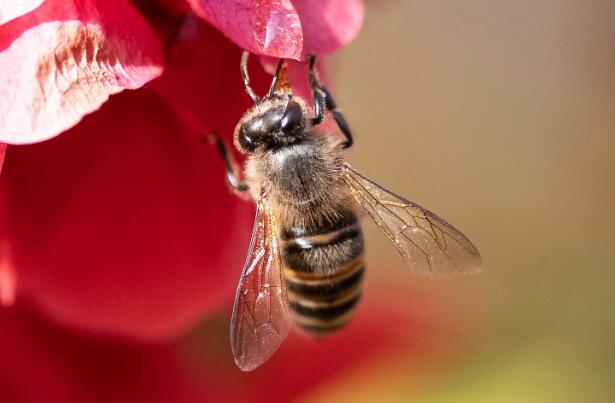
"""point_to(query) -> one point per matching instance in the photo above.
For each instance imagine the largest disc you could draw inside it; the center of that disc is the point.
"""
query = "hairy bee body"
(321, 243)
(305, 259)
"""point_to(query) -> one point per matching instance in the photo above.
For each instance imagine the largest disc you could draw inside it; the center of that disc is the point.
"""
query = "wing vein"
(415, 230)
(260, 320)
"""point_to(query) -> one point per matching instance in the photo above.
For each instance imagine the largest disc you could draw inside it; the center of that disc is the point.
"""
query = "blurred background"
(500, 117)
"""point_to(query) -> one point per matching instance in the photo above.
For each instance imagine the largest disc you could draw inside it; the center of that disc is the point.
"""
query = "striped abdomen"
(323, 268)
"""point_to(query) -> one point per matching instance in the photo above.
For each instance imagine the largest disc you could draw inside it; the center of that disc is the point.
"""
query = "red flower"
(123, 224)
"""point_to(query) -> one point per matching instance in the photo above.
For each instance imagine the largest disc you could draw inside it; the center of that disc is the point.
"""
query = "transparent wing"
(430, 246)
(260, 320)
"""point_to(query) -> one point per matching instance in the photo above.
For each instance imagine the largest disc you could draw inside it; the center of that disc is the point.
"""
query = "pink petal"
(269, 27)
(64, 59)
(328, 24)
(10, 9)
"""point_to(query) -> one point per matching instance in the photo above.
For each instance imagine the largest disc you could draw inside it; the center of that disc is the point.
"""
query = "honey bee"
(305, 260)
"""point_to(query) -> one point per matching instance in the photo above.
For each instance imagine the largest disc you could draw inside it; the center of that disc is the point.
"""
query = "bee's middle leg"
(323, 100)
(232, 176)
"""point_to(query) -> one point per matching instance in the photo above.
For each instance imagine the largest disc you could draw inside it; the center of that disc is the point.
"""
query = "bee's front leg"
(323, 99)
(229, 163)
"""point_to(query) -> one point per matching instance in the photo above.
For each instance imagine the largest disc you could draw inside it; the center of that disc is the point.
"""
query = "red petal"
(2, 152)
(270, 27)
(202, 81)
(10, 9)
(7, 274)
(64, 59)
(328, 24)
(7, 279)
(124, 224)
(68, 367)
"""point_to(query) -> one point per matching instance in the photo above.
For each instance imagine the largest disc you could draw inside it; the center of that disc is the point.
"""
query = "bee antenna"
(276, 77)
(246, 79)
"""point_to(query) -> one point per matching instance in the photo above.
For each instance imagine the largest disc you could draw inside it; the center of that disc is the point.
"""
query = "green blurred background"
(500, 117)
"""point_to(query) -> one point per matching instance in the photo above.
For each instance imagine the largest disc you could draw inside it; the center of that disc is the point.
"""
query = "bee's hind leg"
(229, 163)
(323, 99)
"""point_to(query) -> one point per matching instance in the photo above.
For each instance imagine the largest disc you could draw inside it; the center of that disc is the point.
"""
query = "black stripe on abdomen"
(323, 252)
(324, 288)
(323, 268)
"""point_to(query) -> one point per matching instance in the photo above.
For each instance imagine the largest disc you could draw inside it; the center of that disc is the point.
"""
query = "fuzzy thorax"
(302, 181)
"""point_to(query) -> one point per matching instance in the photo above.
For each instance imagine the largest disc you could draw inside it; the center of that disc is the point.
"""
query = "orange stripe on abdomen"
(323, 269)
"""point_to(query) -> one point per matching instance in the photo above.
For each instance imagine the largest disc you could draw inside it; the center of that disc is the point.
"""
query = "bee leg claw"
(229, 163)
(323, 100)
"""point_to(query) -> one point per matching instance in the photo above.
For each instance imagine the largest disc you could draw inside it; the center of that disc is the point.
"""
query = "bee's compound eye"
(293, 120)
(246, 140)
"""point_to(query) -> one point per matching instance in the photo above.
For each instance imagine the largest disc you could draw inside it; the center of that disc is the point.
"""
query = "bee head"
(276, 121)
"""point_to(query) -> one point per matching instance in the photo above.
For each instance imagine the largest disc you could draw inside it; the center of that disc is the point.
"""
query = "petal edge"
(268, 28)
(62, 62)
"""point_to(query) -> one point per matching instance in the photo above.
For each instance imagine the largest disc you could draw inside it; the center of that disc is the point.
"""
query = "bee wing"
(430, 246)
(260, 320)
